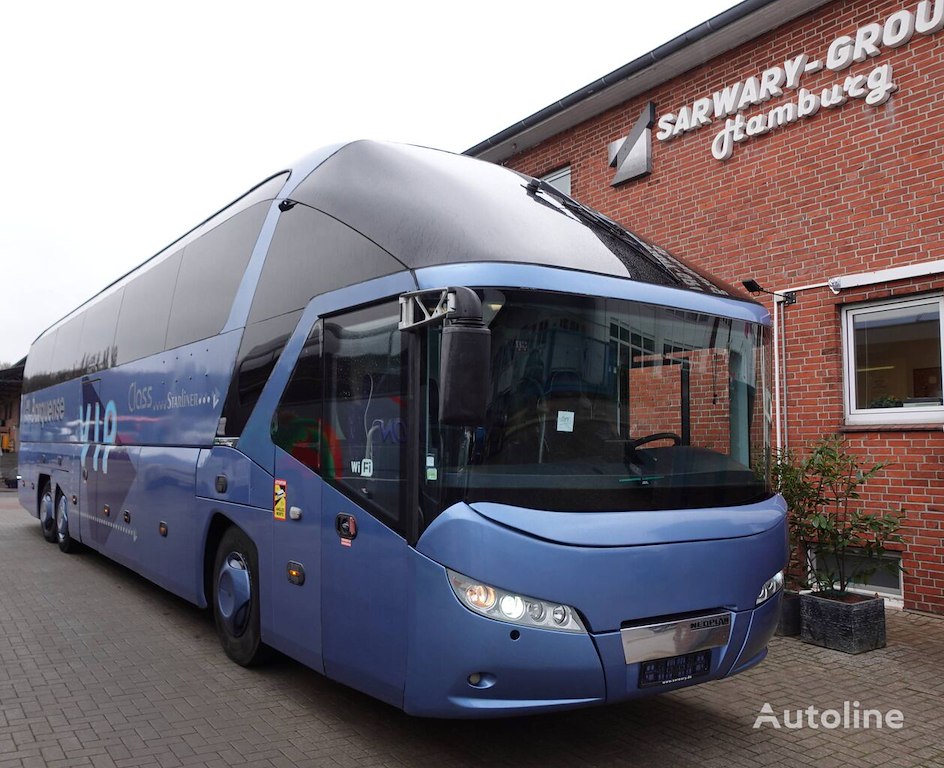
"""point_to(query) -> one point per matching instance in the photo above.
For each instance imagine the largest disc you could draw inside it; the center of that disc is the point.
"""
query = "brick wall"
(851, 189)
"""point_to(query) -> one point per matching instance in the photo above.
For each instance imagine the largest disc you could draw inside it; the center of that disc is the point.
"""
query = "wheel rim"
(234, 593)
(62, 519)
(46, 515)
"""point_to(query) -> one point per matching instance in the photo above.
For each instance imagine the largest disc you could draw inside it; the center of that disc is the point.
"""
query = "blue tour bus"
(431, 428)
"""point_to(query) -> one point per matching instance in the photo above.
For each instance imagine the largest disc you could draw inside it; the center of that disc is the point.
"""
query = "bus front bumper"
(464, 665)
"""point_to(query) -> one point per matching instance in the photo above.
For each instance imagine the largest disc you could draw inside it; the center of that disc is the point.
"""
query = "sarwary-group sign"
(874, 87)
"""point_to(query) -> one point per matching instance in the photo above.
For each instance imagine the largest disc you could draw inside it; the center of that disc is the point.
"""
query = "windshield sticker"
(565, 421)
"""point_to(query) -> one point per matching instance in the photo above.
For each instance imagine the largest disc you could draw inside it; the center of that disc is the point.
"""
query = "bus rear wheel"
(66, 543)
(236, 598)
(47, 514)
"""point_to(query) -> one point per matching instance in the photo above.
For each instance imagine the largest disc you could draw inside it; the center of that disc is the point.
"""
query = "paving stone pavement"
(100, 668)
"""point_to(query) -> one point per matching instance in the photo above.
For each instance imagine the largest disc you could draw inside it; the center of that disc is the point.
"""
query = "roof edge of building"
(724, 32)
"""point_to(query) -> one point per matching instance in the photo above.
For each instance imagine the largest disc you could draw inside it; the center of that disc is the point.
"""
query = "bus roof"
(428, 207)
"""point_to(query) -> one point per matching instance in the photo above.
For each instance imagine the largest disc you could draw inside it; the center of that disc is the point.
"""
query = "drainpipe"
(786, 298)
(777, 301)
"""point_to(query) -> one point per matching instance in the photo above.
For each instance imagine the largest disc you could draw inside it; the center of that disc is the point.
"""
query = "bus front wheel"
(47, 514)
(236, 598)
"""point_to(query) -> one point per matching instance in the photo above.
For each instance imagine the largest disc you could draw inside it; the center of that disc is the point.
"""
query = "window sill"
(926, 427)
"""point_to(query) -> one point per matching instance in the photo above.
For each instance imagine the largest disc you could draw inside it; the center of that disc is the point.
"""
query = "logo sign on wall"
(872, 86)
(631, 156)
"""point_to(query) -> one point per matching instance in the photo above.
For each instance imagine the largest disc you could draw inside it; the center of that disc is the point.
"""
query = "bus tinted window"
(260, 350)
(142, 323)
(210, 274)
(67, 353)
(98, 333)
(311, 254)
(36, 373)
(296, 428)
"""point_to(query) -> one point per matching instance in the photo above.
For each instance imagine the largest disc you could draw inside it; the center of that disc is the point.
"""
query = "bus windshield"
(604, 405)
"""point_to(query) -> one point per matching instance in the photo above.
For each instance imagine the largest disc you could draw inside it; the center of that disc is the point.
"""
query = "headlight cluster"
(511, 608)
(771, 587)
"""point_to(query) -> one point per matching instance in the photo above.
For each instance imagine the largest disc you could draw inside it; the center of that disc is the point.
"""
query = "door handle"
(346, 526)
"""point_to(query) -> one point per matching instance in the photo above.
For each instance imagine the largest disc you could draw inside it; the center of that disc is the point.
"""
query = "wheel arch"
(219, 524)
(41, 481)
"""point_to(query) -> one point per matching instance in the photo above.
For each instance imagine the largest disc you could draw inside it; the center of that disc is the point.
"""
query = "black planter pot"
(850, 623)
(789, 623)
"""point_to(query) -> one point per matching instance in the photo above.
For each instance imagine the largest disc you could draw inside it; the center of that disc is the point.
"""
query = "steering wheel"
(634, 444)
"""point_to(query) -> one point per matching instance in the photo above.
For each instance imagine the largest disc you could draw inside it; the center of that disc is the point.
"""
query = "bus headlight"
(771, 587)
(512, 608)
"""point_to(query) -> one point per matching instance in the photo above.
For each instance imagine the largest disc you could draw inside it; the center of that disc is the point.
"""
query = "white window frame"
(556, 176)
(878, 416)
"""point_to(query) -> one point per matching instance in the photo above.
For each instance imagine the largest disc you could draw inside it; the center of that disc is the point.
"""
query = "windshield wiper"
(589, 216)
(678, 271)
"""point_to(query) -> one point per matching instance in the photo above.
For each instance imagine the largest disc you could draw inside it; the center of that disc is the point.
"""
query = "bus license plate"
(674, 669)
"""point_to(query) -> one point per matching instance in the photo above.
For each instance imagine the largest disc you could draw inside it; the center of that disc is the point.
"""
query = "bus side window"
(296, 425)
(302, 262)
(145, 310)
(259, 353)
(209, 276)
(364, 408)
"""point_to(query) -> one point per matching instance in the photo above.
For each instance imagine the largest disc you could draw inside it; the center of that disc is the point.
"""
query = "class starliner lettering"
(185, 399)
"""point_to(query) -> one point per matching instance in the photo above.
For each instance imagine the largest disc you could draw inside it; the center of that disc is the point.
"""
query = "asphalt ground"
(98, 667)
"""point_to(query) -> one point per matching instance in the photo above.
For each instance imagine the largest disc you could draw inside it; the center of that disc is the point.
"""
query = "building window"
(559, 179)
(892, 353)
(875, 576)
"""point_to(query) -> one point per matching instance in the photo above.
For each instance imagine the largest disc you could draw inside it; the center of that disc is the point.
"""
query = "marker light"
(537, 612)
(513, 608)
(771, 587)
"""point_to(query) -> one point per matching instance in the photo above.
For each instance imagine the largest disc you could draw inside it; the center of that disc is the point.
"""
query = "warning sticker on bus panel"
(278, 500)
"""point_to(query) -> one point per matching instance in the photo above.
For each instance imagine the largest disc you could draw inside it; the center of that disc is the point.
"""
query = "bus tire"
(236, 598)
(66, 543)
(47, 513)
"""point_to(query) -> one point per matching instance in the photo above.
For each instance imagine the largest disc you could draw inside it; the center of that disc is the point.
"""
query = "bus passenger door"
(366, 581)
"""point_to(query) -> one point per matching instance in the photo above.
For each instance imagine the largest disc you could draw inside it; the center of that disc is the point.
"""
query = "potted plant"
(843, 543)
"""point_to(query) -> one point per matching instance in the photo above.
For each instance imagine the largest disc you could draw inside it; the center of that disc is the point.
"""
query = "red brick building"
(798, 143)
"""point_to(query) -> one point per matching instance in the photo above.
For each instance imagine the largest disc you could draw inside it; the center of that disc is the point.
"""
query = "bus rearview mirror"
(464, 374)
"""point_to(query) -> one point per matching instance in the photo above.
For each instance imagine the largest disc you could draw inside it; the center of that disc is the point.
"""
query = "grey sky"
(125, 124)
